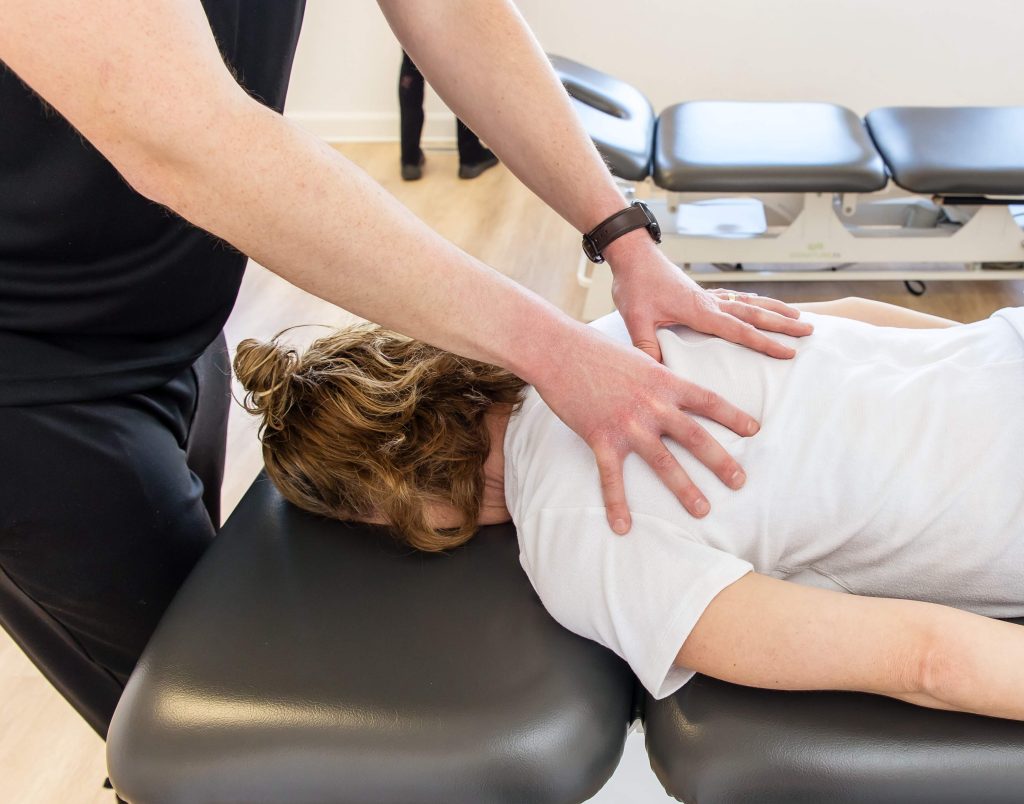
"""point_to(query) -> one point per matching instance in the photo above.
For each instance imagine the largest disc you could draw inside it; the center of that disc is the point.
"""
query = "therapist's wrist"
(532, 339)
(631, 251)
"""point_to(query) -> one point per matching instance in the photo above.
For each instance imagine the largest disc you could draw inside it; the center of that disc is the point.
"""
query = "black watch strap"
(635, 216)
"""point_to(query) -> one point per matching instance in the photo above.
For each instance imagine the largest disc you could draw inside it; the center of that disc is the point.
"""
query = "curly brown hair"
(369, 424)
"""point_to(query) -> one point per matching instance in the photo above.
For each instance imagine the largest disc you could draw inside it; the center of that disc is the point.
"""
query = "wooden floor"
(47, 754)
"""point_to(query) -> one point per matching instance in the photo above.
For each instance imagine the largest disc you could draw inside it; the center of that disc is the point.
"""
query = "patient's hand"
(651, 292)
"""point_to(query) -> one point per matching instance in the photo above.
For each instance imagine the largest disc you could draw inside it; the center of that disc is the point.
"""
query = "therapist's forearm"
(322, 223)
(484, 61)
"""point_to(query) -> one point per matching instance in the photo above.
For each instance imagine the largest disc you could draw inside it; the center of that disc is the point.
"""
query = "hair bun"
(265, 370)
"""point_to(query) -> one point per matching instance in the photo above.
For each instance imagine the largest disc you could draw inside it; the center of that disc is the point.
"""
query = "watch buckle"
(590, 250)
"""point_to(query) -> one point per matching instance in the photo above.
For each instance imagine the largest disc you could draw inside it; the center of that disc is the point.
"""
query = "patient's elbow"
(915, 666)
(948, 672)
(936, 669)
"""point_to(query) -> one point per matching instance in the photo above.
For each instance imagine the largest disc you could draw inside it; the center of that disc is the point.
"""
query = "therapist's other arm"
(143, 81)
(764, 632)
(484, 61)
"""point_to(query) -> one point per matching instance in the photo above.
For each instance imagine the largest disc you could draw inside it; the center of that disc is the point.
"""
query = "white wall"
(859, 53)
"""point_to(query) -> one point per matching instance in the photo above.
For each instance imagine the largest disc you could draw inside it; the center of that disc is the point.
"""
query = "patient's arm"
(764, 632)
(878, 313)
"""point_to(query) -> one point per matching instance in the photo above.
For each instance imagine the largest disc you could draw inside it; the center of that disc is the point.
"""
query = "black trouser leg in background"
(471, 150)
(411, 89)
(102, 517)
(410, 105)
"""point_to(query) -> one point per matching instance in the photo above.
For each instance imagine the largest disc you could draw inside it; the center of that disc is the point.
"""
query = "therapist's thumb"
(646, 340)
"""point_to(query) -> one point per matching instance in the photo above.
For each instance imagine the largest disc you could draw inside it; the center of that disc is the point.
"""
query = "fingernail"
(620, 527)
(752, 428)
(701, 507)
(738, 479)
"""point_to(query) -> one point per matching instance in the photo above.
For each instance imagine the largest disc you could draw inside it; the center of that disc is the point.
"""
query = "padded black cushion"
(617, 116)
(764, 147)
(716, 743)
(960, 150)
(314, 661)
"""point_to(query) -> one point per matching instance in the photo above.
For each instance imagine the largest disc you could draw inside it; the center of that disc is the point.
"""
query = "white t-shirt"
(889, 463)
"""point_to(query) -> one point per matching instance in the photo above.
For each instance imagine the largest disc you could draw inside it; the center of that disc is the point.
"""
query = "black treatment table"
(308, 660)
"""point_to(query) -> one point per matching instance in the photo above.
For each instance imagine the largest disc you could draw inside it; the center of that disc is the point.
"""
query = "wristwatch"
(635, 216)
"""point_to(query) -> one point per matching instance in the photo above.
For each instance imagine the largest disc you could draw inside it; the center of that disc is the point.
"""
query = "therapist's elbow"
(151, 174)
(172, 159)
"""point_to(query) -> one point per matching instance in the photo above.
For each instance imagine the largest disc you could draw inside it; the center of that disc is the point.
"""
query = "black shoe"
(473, 169)
(412, 172)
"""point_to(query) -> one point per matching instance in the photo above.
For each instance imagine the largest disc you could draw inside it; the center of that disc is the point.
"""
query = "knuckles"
(705, 401)
(663, 461)
(697, 439)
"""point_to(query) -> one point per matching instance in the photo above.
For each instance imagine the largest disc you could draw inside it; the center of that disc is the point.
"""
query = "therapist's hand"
(620, 401)
(650, 292)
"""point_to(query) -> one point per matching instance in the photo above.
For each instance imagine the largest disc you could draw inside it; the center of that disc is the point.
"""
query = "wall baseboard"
(438, 128)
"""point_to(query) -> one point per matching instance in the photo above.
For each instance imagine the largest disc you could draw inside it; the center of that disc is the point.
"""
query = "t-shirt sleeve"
(639, 595)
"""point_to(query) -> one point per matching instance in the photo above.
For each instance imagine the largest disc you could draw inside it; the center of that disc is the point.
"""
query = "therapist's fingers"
(698, 442)
(613, 490)
(767, 320)
(733, 329)
(673, 475)
(645, 437)
(620, 401)
(760, 301)
(702, 402)
(690, 435)
(774, 305)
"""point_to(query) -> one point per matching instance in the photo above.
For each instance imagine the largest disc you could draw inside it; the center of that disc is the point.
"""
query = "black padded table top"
(953, 151)
(309, 660)
(617, 116)
(718, 743)
(767, 147)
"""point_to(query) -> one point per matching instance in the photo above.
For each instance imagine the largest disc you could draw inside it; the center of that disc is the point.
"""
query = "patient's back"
(889, 462)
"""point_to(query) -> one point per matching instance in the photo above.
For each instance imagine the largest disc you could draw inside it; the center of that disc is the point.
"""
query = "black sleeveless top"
(103, 292)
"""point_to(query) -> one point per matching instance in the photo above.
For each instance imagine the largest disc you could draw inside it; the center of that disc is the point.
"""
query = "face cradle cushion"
(723, 146)
(617, 116)
(315, 661)
(718, 743)
(960, 150)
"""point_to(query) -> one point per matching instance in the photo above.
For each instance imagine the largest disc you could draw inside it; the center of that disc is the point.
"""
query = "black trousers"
(411, 88)
(105, 507)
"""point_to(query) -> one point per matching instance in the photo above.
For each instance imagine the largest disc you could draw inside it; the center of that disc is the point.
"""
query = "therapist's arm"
(143, 81)
(484, 61)
(764, 632)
